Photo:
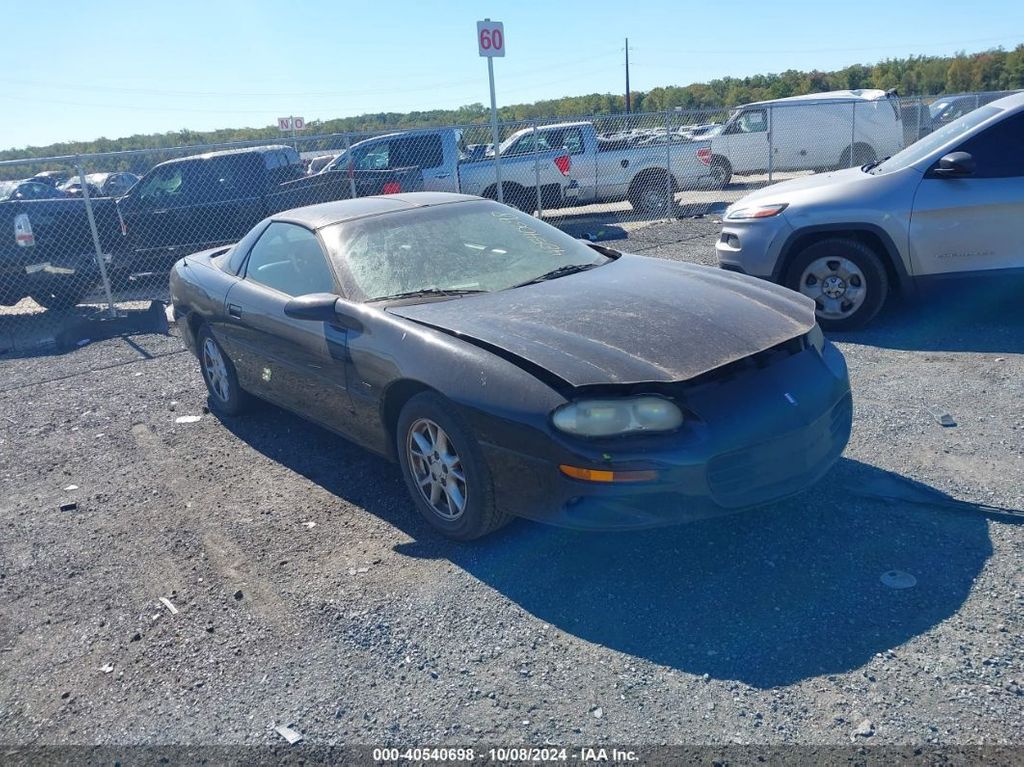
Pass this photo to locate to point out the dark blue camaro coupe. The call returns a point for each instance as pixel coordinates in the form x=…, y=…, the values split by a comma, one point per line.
x=512, y=370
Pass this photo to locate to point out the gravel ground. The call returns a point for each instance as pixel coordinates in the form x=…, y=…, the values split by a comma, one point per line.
x=307, y=593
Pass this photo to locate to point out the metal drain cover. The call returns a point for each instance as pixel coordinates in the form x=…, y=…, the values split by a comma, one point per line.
x=897, y=579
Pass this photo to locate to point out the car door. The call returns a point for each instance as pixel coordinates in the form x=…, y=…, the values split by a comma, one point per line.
x=425, y=151
x=299, y=364
x=747, y=137
x=973, y=223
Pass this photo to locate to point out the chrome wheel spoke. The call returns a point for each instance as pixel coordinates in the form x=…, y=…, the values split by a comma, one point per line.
x=437, y=469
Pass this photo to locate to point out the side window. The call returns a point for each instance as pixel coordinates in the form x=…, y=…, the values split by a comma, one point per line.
x=421, y=151
x=750, y=121
x=289, y=259
x=573, y=141
x=163, y=184
x=374, y=157
x=998, y=151
x=231, y=177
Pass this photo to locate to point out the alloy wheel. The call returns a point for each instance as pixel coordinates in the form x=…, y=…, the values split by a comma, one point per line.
x=216, y=370
x=437, y=469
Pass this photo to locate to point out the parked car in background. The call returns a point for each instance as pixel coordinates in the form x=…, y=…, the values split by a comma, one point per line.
x=645, y=167
x=950, y=205
x=29, y=189
x=568, y=162
x=813, y=132
x=101, y=184
x=51, y=177
x=47, y=251
x=197, y=202
x=445, y=167
x=317, y=164
x=473, y=345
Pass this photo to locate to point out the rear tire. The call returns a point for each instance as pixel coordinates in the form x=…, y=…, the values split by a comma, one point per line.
x=445, y=470
x=721, y=173
x=227, y=397
x=649, y=194
x=59, y=298
x=846, y=279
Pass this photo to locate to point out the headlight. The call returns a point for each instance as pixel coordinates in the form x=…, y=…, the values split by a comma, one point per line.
x=755, y=212
x=816, y=339
x=608, y=417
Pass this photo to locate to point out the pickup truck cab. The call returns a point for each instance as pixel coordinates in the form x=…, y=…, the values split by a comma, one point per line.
x=637, y=167
x=194, y=203
x=568, y=161
x=445, y=166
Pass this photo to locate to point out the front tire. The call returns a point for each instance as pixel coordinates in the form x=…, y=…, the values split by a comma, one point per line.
x=845, y=278
x=226, y=395
x=59, y=298
x=445, y=470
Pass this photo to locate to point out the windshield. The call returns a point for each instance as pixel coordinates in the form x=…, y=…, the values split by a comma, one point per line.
x=936, y=109
x=472, y=246
x=925, y=146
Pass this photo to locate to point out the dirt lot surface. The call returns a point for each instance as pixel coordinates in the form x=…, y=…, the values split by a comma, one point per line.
x=307, y=594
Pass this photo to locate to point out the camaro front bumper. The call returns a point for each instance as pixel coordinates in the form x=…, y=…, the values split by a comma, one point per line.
x=750, y=439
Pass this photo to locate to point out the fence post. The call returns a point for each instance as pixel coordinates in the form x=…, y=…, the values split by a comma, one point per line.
x=536, y=173
x=853, y=131
x=669, y=197
x=111, y=311
x=920, y=109
x=351, y=178
x=771, y=144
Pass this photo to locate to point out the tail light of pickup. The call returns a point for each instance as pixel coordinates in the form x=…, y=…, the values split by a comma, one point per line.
x=564, y=164
x=704, y=155
x=391, y=187
x=23, y=235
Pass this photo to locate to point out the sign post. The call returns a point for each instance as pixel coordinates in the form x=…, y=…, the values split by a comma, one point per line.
x=490, y=39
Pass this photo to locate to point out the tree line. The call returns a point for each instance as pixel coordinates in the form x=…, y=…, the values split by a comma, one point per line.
x=992, y=70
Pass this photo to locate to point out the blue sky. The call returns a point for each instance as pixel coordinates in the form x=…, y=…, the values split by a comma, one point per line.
x=87, y=69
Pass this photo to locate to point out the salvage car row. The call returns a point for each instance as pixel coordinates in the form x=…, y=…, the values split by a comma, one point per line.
x=511, y=370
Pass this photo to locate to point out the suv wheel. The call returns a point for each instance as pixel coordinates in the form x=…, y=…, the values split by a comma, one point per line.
x=845, y=278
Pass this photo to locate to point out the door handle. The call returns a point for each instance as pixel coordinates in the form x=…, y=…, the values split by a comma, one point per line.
x=442, y=175
x=234, y=310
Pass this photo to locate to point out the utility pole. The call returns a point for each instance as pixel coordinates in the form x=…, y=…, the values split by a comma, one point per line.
x=628, y=108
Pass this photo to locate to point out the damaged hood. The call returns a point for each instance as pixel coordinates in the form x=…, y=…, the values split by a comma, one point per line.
x=632, y=320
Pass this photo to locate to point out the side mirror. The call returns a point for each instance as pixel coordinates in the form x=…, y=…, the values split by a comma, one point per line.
x=322, y=307
x=955, y=165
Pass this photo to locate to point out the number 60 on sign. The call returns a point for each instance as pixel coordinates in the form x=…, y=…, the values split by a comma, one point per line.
x=490, y=38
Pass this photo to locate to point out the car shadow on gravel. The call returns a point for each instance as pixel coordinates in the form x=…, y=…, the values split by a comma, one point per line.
x=977, y=317
x=768, y=597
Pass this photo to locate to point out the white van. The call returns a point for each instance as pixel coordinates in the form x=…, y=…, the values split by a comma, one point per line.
x=838, y=129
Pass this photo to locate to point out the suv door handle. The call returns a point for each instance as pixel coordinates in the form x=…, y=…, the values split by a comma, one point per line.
x=442, y=175
x=234, y=310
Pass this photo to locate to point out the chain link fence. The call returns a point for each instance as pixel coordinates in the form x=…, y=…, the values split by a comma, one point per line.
x=94, y=236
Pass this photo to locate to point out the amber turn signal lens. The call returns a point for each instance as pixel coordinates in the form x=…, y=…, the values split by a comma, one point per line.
x=599, y=475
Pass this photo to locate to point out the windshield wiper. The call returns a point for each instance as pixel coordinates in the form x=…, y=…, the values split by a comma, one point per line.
x=429, y=292
x=868, y=167
x=554, y=274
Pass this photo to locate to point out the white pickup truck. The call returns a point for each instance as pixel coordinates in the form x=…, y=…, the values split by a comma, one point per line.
x=568, y=161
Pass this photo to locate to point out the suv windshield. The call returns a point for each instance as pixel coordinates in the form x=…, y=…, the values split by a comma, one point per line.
x=925, y=146
x=474, y=246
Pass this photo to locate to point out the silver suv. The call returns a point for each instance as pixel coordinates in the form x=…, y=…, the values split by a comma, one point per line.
x=949, y=205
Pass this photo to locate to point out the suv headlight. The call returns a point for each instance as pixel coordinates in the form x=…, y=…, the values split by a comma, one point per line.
x=755, y=211
x=609, y=417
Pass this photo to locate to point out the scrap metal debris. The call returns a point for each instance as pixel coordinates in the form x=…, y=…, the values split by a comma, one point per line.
x=292, y=736
x=169, y=605
x=69, y=506
x=941, y=416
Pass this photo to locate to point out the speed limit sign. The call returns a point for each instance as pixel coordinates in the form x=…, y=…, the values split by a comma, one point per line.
x=490, y=37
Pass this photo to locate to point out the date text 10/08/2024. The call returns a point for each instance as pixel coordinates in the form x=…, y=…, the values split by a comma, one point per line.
x=506, y=754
